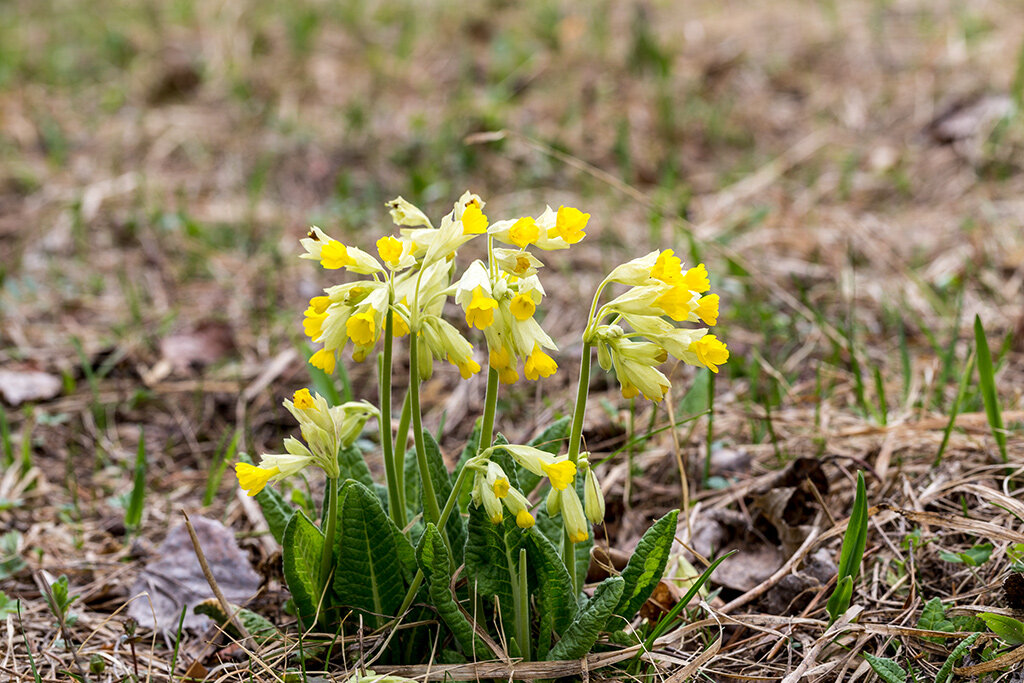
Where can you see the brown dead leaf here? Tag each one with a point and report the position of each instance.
(188, 352)
(174, 578)
(19, 386)
(666, 595)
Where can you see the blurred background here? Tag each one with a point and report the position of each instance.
(850, 172)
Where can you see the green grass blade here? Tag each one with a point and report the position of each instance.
(856, 535)
(986, 378)
(218, 466)
(668, 620)
(5, 438)
(133, 512)
(955, 409)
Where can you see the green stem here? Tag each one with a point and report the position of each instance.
(396, 496)
(331, 523)
(711, 430)
(401, 439)
(431, 510)
(490, 405)
(575, 435)
(523, 609)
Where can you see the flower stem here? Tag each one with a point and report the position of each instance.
(490, 404)
(431, 510)
(401, 439)
(329, 525)
(396, 496)
(523, 609)
(575, 435)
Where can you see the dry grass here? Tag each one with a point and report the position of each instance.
(160, 160)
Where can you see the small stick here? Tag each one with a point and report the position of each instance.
(224, 604)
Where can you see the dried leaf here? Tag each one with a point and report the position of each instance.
(175, 580)
(19, 386)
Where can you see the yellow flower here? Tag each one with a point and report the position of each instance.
(668, 268)
(474, 222)
(313, 322)
(361, 328)
(303, 400)
(500, 358)
(497, 480)
(522, 306)
(390, 250)
(711, 352)
(696, 279)
(570, 224)
(467, 366)
(319, 304)
(516, 262)
(675, 302)
(539, 364)
(323, 359)
(523, 232)
(252, 479)
(480, 312)
(560, 473)
(334, 255)
(707, 309)
(524, 520)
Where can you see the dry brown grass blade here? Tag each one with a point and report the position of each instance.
(516, 671)
(1010, 659)
(971, 526)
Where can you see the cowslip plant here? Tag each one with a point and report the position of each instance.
(496, 551)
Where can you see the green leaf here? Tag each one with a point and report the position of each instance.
(947, 668)
(550, 440)
(1009, 629)
(554, 591)
(553, 529)
(986, 378)
(369, 568)
(973, 557)
(302, 546)
(645, 567)
(887, 669)
(136, 501)
(442, 480)
(434, 561)
(258, 627)
(839, 601)
(588, 624)
(933, 618)
(487, 559)
(855, 538)
(353, 466)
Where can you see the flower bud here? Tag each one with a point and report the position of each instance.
(593, 498)
(572, 516)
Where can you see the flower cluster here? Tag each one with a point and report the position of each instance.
(324, 429)
(492, 490)
(660, 293)
(413, 277)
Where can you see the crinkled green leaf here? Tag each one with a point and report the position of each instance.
(1009, 629)
(434, 560)
(887, 669)
(645, 568)
(933, 618)
(301, 550)
(353, 465)
(258, 627)
(955, 656)
(553, 590)
(369, 567)
(581, 635)
(487, 559)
